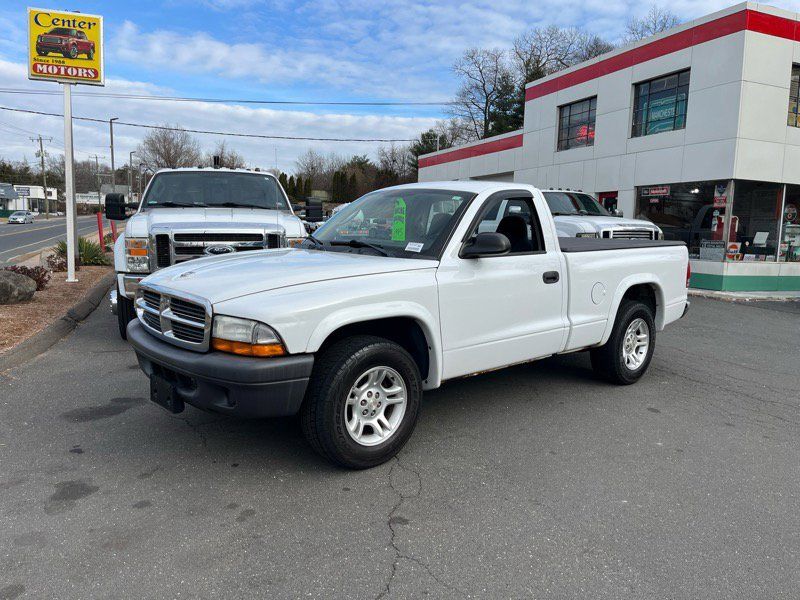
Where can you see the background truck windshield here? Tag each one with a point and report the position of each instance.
(187, 188)
(402, 222)
(574, 203)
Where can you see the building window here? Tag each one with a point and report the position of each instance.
(660, 104)
(693, 213)
(754, 223)
(794, 97)
(576, 124)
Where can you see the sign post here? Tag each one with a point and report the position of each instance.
(66, 47)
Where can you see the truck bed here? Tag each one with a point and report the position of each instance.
(576, 244)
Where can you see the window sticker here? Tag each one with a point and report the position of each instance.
(414, 246)
(399, 221)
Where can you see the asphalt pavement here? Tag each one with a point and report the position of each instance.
(17, 239)
(538, 481)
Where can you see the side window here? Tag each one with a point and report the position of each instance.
(519, 223)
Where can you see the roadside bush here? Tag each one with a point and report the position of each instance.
(39, 274)
(57, 264)
(90, 252)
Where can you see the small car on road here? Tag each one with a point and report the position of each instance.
(21, 216)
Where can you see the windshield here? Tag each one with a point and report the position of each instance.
(573, 203)
(187, 188)
(404, 222)
(62, 31)
(18, 214)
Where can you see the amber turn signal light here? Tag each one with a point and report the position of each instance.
(245, 349)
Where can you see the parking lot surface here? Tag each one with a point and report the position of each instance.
(535, 481)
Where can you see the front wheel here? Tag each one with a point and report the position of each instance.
(90, 54)
(624, 358)
(125, 314)
(362, 401)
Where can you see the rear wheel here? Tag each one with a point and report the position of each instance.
(362, 402)
(125, 314)
(625, 357)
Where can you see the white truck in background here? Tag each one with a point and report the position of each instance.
(399, 292)
(188, 213)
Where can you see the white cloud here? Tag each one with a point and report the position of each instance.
(91, 138)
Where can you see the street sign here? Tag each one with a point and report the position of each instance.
(66, 47)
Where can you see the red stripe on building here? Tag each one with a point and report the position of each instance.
(487, 147)
(749, 20)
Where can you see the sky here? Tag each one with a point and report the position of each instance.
(326, 50)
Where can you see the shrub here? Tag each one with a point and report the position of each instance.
(90, 252)
(39, 274)
(57, 263)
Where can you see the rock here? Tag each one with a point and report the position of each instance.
(15, 288)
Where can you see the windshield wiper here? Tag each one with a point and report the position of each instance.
(236, 205)
(360, 244)
(565, 214)
(170, 203)
(316, 242)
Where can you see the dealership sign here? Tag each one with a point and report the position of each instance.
(656, 190)
(65, 47)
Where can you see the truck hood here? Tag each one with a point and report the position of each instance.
(592, 223)
(201, 218)
(223, 278)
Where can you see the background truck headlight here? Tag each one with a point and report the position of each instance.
(136, 259)
(294, 242)
(245, 337)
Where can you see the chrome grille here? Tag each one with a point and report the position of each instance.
(631, 234)
(180, 246)
(183, 322)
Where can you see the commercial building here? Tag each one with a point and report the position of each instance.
(31, 197)
(696, 129)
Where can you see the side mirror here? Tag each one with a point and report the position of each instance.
(115, 207)
(297, 207)
(486, 244)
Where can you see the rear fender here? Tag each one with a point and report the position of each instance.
(626, 284)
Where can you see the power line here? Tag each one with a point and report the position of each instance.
(225, 100)
(204, 131)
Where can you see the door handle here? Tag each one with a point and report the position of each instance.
(550, 277)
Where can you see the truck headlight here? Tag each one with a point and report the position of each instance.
(136, 259)
(245, 337)
(294, 242)
(659, 235)
(589, 235)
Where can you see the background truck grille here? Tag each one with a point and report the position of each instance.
(179, 321)
(162, 250)
(218, 237)
(631, 234)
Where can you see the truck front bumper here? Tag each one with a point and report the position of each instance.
(237, 385)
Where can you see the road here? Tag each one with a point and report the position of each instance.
(18, 240)
(535, 481)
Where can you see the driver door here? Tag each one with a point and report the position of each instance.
(500, 310)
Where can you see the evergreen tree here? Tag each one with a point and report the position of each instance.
(352, 188)
(284, 182)
(298, 188)
(307, 188)
(290, 187)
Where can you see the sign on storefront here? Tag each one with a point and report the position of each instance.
(656, 190)
(65, 46)
(721, 195)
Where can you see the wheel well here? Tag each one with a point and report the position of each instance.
(644, 293)
(404, 331)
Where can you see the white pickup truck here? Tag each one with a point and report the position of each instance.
(396, 294)
(189, 213)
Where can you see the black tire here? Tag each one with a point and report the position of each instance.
(607, 360)
(73, 52)
(323, 413)
(125, 314)
(90, 54)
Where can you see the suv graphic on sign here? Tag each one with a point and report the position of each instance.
(70, 43)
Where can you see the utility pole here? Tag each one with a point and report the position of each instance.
(130, 175)
(113, 172)
(99, 184)
(44, 173)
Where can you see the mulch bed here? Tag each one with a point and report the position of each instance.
(19, 322)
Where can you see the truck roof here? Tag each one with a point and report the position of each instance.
(474, 186)
(215, 170)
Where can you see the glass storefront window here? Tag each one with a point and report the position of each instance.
(754, 220)
(789, 249)
(660, 104)
(691, 212)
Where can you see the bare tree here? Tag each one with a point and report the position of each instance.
(169, 149)
(545, 50)
(591, 46)
(482, 72)
(228, 158)
(311, 165)
(655, 21)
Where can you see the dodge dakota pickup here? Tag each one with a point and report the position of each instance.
(397, 293)
(188, 213)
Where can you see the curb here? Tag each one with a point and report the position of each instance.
(53, 333)
(745, 296)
